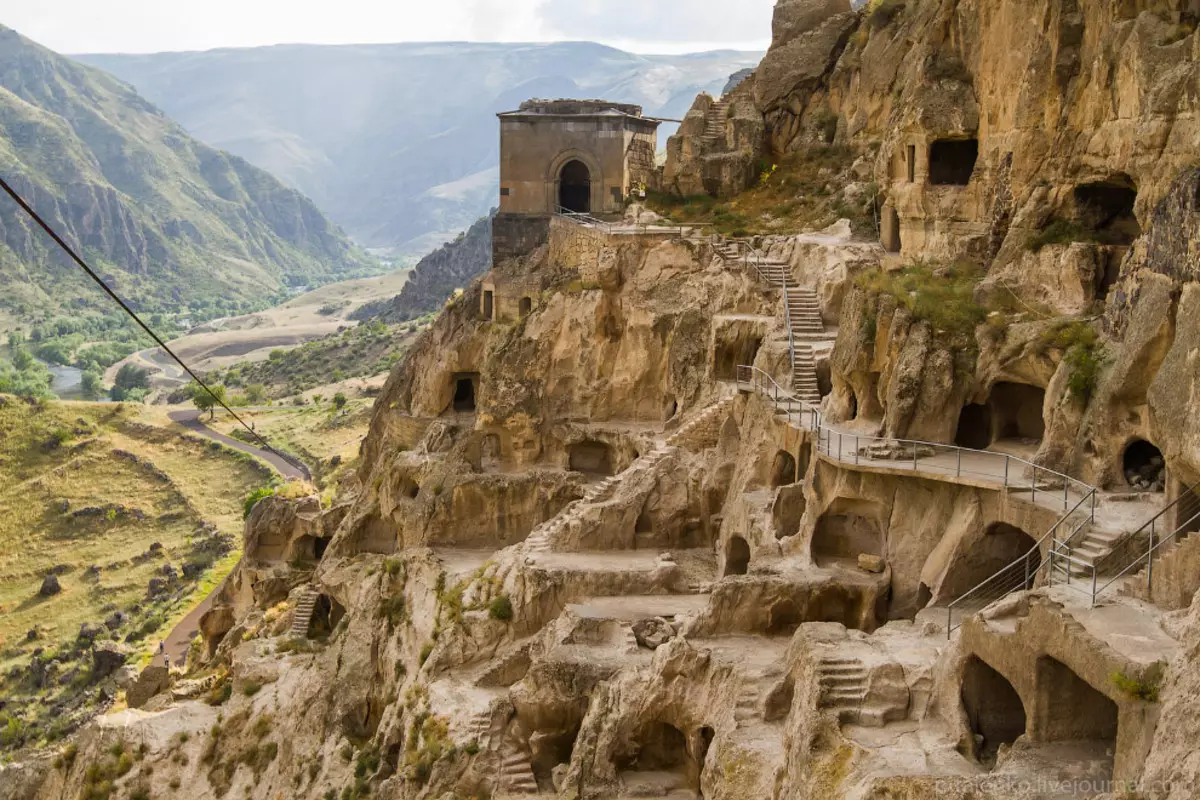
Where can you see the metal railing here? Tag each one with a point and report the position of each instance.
(1135, 551)
(626, 228)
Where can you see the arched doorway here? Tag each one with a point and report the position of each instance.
(1143, 466)
(783, 471)
(1001, 545)
(575, 187)
(994, 709)
(737, 557)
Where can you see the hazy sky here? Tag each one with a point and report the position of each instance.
(142, 26)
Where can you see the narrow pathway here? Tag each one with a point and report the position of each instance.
(190, 419)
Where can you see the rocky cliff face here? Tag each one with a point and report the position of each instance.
(168, 220)
(436, 276)
(589, 554)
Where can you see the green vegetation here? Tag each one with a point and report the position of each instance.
(359, 352)
(252, 499)
(1143, 688)
(501, 609)
(801, 191)
(1084, 355)
(206, 399)
(132, 384)
(943, 296)
(21, 374)
(1060, 231)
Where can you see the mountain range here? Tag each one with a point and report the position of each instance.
(399, 143)
(171, 223)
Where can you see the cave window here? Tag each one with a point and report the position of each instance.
(1016, 411)
(526, 306)
(737, 557)
(974, 427)
(911, 165)
(591, 457)
(994, 709)
(1001, 545)
(783, 471)
(951, 161)
(844, 537)
(889, 229)
(733, 354)
(489, 310)
(320, 545)
(1106, 209)
(1143, 466)
(1069, 709)
(575, 188)
(464, 392)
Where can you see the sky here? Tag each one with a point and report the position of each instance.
(147, 26)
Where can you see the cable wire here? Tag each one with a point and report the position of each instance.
(20, 201)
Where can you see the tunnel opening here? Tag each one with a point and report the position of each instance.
(842, 538)
(974, 427)
(1016, 410)
(550, 749)
(525, 307)
(575, 187)
(952, 161)
(321, 546)
(326, 615)
(737, 557)
(732, 354)
(1001, 545)
(1143, 466)
(994, 709)
(661, 747)
(590, 457)
(489, 304)
(1069, 709)
(788, 511)
(1106, 209)
(783, 618)
(783, 469)
(465, 386)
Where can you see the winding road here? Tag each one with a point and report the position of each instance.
(180, 638)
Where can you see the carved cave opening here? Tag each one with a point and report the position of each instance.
(889, 230)
(994, 709)
(1001, 545)
(489, 304)
(1069, 709)
(974, 427)
(788, 511)
(1016, 410)
(733, 353)
(1143, 466)
(575, 187)
(661, 747)
(783, 469)
(737, 557)
(841, 537)
(952, 161)
(525, 307)
(590, 457)
(1106, 209)
(327, 613)
(466, 385)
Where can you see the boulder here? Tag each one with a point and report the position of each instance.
(50, 586)
(157, 587)
(870, 563)
(653, 632)
(151, 681)
(107, 658)
(88, 631)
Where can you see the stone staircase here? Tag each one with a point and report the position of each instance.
(804, 376)
(747, 709)
(303, 612)
(516, 774)
(804, 312)
(843, 683)
(714, 127)
(1165, 562)
(479, 729)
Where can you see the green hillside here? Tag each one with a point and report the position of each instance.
(174, 225)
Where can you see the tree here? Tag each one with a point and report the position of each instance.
(317, 399)
(256, 393)
(92, 385)
(208, 401)
(130, 376)
(339, 401)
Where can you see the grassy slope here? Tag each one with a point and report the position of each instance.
(179, 485)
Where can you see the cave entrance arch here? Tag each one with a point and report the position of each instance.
(1069, 709)
(783, 470)
(1106, 209)
(590, 457)
(575, 187)
(662, 748)
(843, 537)
(737, 556)
(1143, 466)
(974, 427)
(1001, 545)
(733, 353)
(994, 709)
(1016, 411)
(326, 615)
(952, 161)
(466, 385)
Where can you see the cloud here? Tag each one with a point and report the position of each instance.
(78, 26)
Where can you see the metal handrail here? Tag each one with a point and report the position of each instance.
(681, 230)
(1169, 538)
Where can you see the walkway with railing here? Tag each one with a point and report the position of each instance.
(625, 227)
